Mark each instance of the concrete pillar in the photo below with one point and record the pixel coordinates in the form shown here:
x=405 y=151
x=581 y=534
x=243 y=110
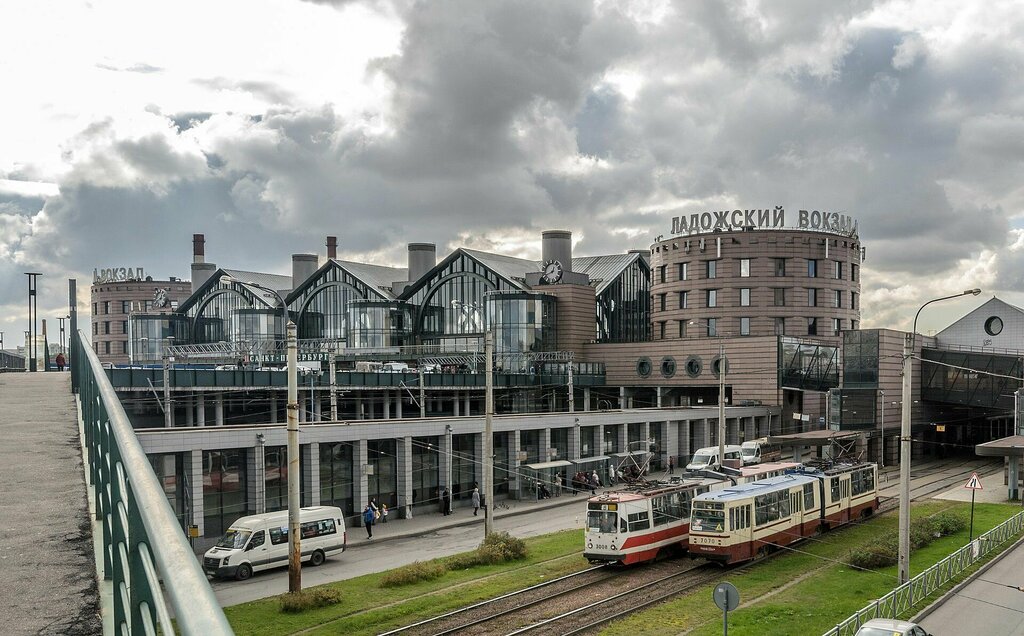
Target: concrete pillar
x=750 y=429
x=685 y=448
x=256 y=479
x=545 y=444
x=309 y=460
x=622 y=397
x=317 y=412
x=444 y=459
x=1014 y=477
x=513 y=464
x=586 y=398
x=218 y=410
x=190 y=415
x=201 y=410
x=398 y=405
x=455 y=405
x=360 y=484
x=574 y=442
x=623 y=437
x=404 y=475
x=273 y=407
x=599 y=439
x=466 y=405
x=670 y=443
x=387 y=405
x=705 y=433
x=645 y=431
x=478 y=455
x=658 y=396
x=193 y=468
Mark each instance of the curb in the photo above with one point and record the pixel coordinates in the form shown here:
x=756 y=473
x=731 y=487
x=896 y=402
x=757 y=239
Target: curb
x=457 y=524
x=961 y=585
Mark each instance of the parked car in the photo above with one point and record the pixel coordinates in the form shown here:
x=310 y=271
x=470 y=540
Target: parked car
x=890 y=627
x=707 y=458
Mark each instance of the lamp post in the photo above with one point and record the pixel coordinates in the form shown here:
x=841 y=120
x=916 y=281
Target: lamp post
x=908 y=352
x=294 y=548
x=721 y=388
x=882 y=426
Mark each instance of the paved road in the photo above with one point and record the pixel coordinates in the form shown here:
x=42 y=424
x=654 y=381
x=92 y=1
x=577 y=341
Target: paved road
x=986 y=605
x=365 y=557
x=47 y=573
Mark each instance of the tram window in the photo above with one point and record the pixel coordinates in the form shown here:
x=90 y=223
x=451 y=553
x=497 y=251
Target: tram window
x=622 y=526
x=662 y=507
x=771 y=507
x=601 y=521
x=834 y=483
x=639 y=521
x=739 y=517
x=862 y=481
x=808 y=496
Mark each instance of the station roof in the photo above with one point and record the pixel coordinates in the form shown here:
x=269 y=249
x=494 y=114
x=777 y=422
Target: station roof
x=812 y=438
x=1012 y=446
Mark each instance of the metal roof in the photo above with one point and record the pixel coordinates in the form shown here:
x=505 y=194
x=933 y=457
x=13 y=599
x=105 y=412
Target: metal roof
x=1006 y=447
x=812 y=438
x=755 y=488
x=277 y=282
x=377 y=277
x=509 y=267
x=603 y=270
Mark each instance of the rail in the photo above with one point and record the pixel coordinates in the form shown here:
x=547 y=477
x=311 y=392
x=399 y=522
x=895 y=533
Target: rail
x=903 y=598
x=145 y=554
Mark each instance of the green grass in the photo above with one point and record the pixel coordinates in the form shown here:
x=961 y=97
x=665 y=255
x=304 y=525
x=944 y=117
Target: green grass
x=827 y=593
x=367 y=608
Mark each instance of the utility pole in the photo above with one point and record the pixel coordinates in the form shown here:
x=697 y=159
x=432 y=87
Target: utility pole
x=882 y=425
x=33 y=314
x=423 y=401
x=572 y=397
x=332 y=369
x=60 y=319
x=489 y=434
x=168 y=413
x=721 y=401
x=294 y=549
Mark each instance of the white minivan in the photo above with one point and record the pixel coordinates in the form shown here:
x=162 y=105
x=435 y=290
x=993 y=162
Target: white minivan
x=756 y=451
x=707 y=458
x=260 y=542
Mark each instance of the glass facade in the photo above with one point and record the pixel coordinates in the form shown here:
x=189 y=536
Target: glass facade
x=149 y=335
x=383 y=482
x=224 y=490
x=212 y=316
x=529 y=443
x=321 y=307
x=377 y=323
x=275 y=466
x=169 y=470
x=624 y=306
x=336 y=476
x=501 y=463
x=860 y=359
x=426 y=466
x=521 y=321
x=805 y=365
x=258 y=324
x=463 y=466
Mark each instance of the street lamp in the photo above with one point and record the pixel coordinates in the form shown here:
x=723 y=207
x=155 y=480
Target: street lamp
x=721 y=389
x=908 y=352
x=294 y=553
x=882 y=425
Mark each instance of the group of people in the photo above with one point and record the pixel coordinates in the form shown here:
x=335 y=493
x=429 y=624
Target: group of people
x=582 y=481
x=446 y=501
x=373 y=513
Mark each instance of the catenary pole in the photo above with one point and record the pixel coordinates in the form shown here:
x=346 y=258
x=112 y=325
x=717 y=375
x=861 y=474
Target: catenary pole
x=294 y=547
x=489 y=434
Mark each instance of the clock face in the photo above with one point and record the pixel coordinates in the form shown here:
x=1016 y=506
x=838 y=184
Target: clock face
x=552 y=271
x=160 y=298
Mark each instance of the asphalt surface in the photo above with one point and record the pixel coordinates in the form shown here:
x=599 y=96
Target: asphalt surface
x=47 y=572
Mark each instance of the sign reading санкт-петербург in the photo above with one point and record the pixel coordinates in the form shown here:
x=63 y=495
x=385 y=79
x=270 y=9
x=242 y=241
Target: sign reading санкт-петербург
x=756 y=219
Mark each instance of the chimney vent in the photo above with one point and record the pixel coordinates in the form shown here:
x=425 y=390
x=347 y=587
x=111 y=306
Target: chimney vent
x=303 y=266
x=332 y=247
x=198 y=248
x=422 y=258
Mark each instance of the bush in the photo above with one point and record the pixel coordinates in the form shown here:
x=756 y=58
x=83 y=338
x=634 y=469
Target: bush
x=464 y=561
x=876 y=555
x=314 y=598
x=947 y=523
x=498 y=547
x=884 y=551
x=413 y=573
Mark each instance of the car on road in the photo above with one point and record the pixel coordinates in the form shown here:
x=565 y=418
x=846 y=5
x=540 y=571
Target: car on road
x=890 y=627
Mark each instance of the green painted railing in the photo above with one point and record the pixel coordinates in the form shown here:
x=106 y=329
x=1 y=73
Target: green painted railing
x=145 y=555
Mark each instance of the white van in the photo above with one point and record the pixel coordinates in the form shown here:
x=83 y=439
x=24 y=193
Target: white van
x=756 y=451
x=395 y=367
x=260 y=542
x=707 y=458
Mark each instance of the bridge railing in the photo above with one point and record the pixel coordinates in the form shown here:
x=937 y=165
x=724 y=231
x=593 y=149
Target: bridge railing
x=901 y=600
x=145 y=554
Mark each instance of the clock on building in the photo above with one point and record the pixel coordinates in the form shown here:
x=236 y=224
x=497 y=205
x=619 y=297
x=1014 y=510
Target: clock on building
x=160 y=298
x=552 y=272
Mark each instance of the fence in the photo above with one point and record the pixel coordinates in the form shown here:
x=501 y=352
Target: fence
x=902 y=599
x=143 y=545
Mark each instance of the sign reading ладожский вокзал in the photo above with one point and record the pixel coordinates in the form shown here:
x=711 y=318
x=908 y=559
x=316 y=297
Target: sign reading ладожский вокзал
x=763 y=218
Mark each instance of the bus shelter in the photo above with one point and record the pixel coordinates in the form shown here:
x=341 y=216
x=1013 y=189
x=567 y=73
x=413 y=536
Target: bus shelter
x=829 y=444
x=535 y=475
x=588 y=465
x=1011 y=448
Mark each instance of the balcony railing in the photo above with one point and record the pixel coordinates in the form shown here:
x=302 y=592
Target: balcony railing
x=145 y=555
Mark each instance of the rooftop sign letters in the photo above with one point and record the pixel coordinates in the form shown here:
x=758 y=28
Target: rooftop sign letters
x=117 y=274
x=759 y=219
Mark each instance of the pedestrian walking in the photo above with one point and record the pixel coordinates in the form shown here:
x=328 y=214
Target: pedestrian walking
x=446 y=503
x=384 y=512
x=61 y=361
x=611 y=474
x=671 y=465
x=476 y=501
x=595 y=483
x=558 y=485
x=368 y=518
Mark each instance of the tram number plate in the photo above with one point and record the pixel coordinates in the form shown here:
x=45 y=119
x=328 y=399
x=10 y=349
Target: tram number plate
x=705 y=540
x=600 y=546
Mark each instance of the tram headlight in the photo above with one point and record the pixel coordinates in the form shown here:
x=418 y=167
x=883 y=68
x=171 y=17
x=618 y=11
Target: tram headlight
x=590 y=546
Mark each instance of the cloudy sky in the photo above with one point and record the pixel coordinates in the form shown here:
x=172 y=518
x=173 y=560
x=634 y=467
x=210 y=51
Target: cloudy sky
x=128 y=125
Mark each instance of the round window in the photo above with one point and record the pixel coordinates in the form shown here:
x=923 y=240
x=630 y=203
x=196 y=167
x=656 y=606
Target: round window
x=643 y=367
x=716 y=366
x=668 y=366
x=693 y=366
x=994 y=325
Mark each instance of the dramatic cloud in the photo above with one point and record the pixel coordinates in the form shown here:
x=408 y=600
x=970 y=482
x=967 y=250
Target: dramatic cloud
x=481 y=123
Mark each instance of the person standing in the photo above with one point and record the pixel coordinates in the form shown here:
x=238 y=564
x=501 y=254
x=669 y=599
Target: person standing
x=368 y=517
x=446 y=502
x=595 y=483
x=476 y=501
x=61 y=361
x=671 y=465
x=384 y=512
x=611 y=474
x=558 y=485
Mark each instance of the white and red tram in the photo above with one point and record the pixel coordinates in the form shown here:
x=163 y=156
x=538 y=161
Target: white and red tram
x=638 y=522
x=741 y=522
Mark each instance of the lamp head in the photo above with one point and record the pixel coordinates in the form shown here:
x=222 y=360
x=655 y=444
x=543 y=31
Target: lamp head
x=972 y=292
x=227 y=280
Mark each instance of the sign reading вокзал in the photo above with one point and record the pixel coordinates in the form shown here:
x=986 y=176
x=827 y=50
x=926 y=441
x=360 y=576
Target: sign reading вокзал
x=733 y=220
x=117 y=274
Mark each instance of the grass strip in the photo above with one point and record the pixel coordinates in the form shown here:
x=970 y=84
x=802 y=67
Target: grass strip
x=367 y=608
x=816 y=601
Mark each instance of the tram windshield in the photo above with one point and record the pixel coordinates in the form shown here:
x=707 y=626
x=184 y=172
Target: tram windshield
x=706 y=519
x=602 y=521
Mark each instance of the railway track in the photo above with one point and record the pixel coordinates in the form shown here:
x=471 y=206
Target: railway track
x=580 y=602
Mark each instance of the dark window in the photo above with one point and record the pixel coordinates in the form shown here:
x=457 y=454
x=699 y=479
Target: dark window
x=812 y=297
x=106 y=306
x=683 y=299
x=780 y=266
x=662 y=273
x=711 y=269
x=683 y=271
x=712 y=298
x=744 y=326
x=662 y=302
x=124 y=326
x=258 y=539
x=838 y=301
x=712 y=327
x=661 y=330
x=839 y=270
x=224 y=490
x=780 y=326
x=853 y=300
x=126 y=306
x=106 y=327
x=639 y=521
x=124 y=347
x=812 y=268
x=812 y=326
x=95 y=328
x=853 y=272
x=106 y=347
x=682 y=328
x=94 y=312
x=808 y=496
x=336 y=475
x=780 y=296
x=745 y=297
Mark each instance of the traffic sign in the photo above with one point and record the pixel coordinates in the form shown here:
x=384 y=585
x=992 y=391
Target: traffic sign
x=726 y=596
x=974 y=483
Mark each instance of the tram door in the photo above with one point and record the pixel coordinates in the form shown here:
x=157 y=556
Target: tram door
x=844 y=497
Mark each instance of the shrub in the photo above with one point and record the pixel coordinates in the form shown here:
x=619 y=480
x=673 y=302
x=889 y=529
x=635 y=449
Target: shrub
x=413 y=573
x=463 y=561
x=501 y=546
x=315 y=598
x=884 y=551
x=876 y=555
x=947 y=523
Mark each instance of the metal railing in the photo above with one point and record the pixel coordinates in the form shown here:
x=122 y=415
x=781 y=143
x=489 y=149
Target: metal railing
x=143 y=546
x=901 y=600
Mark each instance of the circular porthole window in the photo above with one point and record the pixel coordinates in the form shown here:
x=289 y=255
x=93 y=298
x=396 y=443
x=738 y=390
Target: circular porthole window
x=716 y=366
x=668 y=366
x=693 y=366
x=994 y=325
x=643 y=367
